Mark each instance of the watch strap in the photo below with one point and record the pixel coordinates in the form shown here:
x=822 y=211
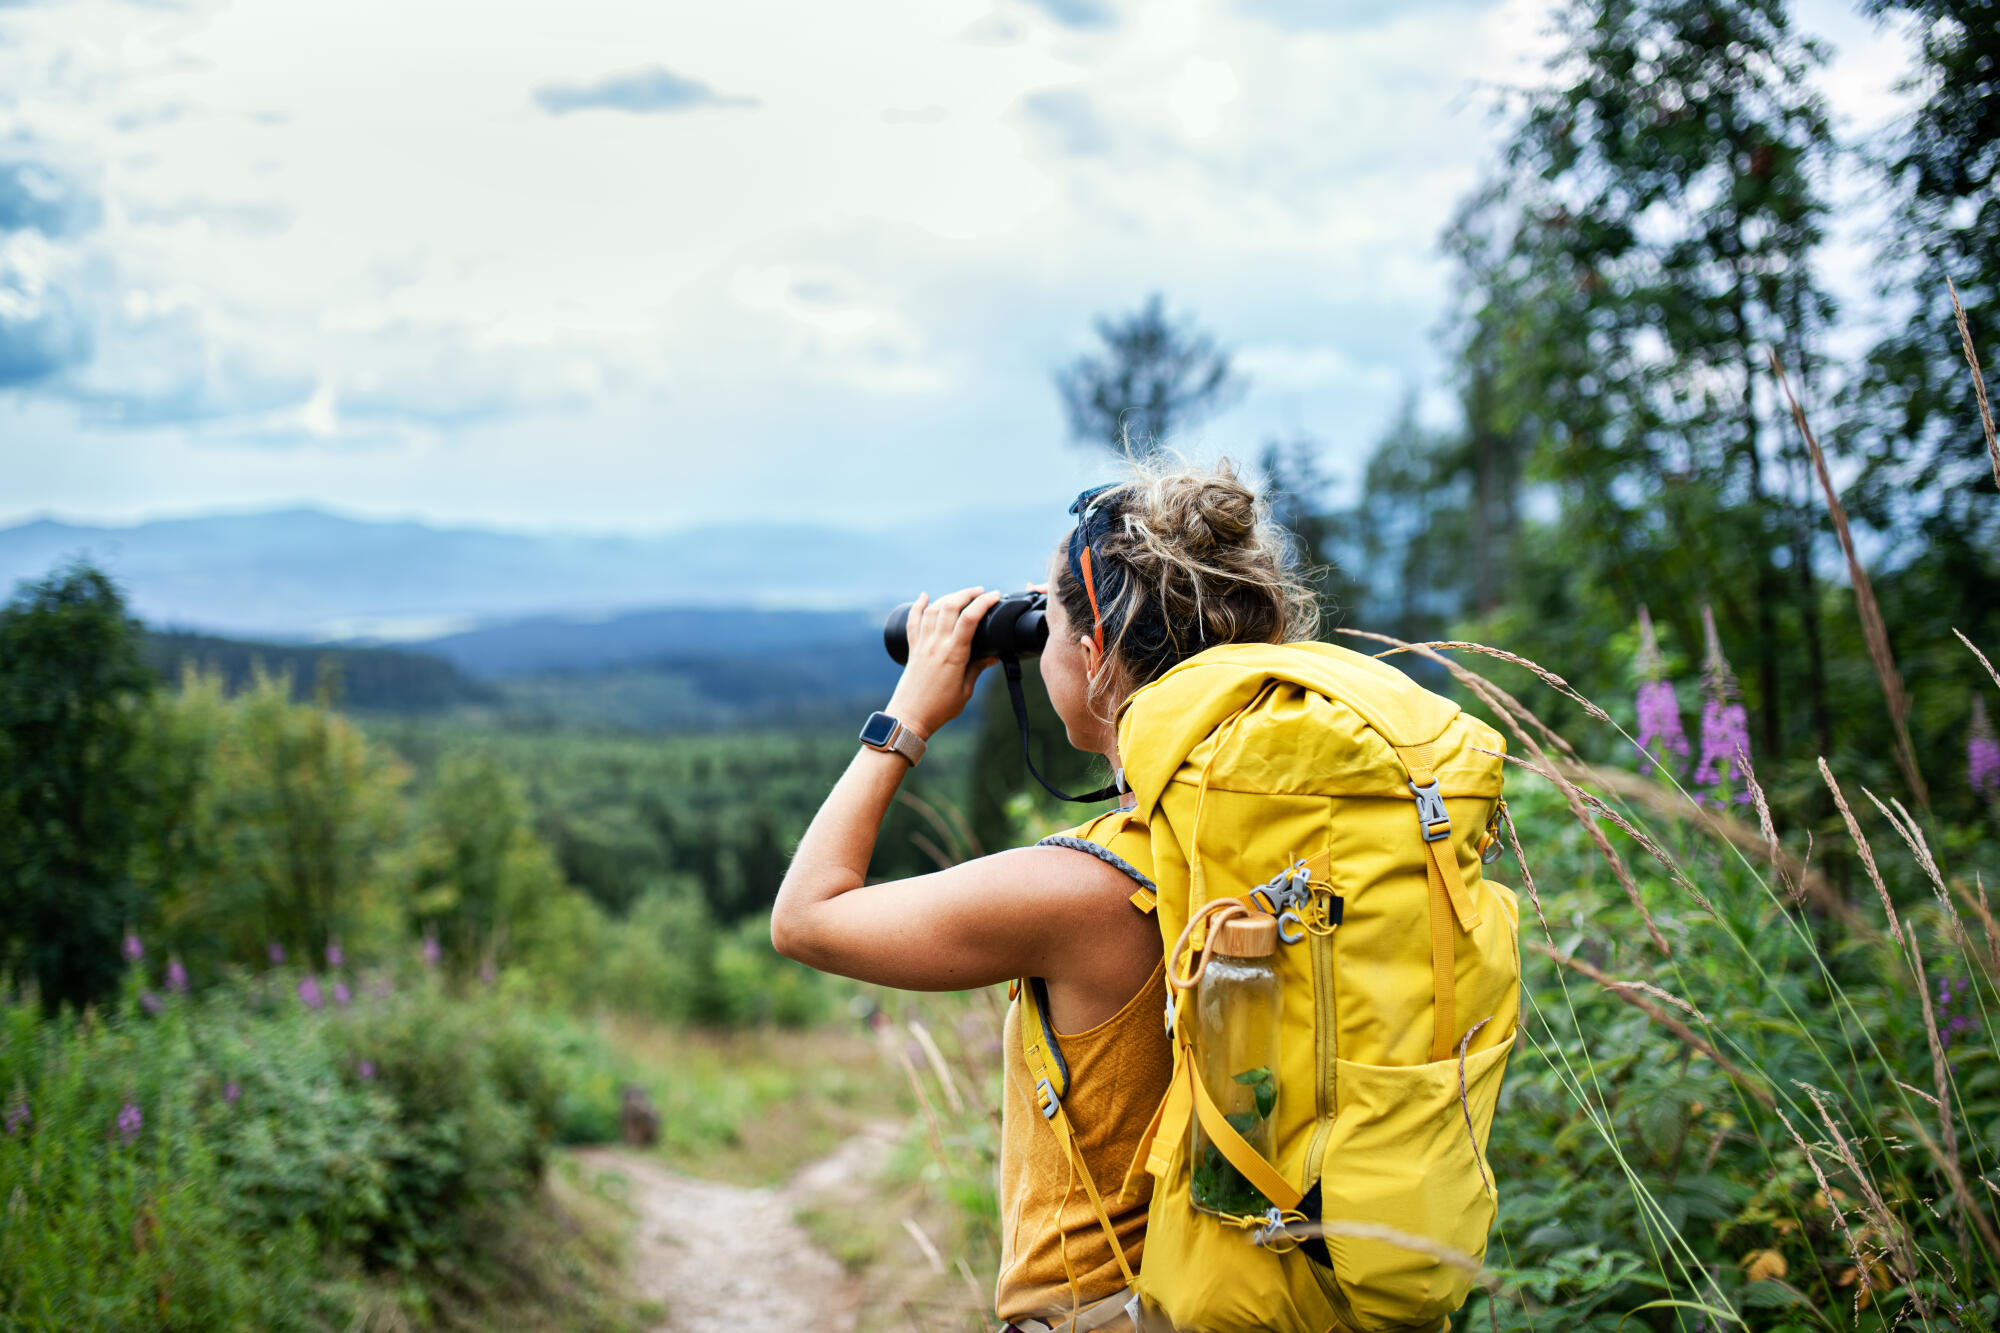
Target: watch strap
x=902 y=740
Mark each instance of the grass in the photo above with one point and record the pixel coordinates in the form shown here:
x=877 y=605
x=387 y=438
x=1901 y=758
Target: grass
x=752 y=1106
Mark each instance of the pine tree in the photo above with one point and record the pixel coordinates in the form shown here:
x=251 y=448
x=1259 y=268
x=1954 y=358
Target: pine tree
x=1653 y=235
x=1915 y=417
x=71 y=690
x=1152 y=376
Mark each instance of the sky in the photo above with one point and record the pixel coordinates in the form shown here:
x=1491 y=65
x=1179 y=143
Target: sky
x=637 y=265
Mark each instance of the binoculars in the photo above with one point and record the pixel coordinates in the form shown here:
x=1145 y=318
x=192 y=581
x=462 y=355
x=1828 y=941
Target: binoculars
x=1017 y=626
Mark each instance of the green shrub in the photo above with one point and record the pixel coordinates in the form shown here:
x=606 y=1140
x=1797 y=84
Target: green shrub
x=246 y=1160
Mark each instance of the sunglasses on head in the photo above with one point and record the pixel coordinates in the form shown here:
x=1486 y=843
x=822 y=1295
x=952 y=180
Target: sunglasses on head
x=1087 y=508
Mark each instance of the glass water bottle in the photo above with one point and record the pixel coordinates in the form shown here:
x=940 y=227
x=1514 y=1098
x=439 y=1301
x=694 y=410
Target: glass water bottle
x=1236 y=1055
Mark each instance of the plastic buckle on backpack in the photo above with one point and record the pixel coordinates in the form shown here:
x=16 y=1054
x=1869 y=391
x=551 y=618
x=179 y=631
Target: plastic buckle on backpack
x=1274 y=1231
x=1433 y=820
x=1288 y=890
x=1045 y=1093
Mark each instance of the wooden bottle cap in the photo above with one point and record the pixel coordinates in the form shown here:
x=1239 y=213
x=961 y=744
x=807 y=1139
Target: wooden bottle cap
x=1247 y=936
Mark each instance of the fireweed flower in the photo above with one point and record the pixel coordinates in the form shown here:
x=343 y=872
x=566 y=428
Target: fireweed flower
x=276 y=953
x=334 y=956
x=1954 y=1009
x=341 y=995
x=432 y=952
x=1982 y=752
x=133 y=950
x=151 y=1002
x=1725 y=726
x=1660 y=734
x=365 y=1070
x=310 y=994
x=177 y=976
x=130 y=1121
x=19 y=1118
x=232 y=1092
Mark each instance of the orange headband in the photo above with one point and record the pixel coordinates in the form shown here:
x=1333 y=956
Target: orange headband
x=1096 y=618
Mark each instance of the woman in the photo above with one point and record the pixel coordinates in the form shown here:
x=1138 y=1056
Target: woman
x=1171 y=561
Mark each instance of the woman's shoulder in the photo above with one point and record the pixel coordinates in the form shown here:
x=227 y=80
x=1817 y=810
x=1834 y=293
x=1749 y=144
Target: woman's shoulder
x=1117 y=839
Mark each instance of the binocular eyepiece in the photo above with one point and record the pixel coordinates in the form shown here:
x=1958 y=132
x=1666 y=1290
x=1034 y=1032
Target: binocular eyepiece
x=1016 y=627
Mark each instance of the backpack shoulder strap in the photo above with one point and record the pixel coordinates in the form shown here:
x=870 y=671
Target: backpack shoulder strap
x=1051 y=1075
x=1039 y=1044
x=1146 y=896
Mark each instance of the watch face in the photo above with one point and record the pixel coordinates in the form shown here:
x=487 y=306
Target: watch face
x=880 y=727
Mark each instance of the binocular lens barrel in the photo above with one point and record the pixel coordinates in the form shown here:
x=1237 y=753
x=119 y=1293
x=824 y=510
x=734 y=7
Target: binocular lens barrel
x=1017 y=626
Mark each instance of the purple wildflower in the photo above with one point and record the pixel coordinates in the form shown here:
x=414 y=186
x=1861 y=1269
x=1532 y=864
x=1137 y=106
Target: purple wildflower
x=151 y=1002
x=341 y=995
x=276 y=953
x=309 y=992
x=177 y=976
x=365 y=1070
x=1982 y=752
x=432 y=951
x=335 y=957
x=1660 y=734
x=19 y=1118
x=133 y=950
x=232 y=1092
x=1954 y=1009
x=130 y=1121
x=1725 y=726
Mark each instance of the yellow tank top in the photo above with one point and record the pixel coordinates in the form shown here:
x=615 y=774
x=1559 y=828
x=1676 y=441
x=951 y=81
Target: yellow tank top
x=1118 y=1072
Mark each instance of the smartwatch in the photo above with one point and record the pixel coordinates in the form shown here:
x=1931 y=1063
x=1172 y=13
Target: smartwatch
x=882 y=732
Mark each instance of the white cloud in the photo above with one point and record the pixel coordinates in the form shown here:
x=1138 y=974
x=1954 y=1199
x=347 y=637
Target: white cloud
x=1292 y=369
x=347 y=228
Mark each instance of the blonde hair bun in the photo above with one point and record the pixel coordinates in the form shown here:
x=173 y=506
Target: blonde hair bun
x=1186 y=557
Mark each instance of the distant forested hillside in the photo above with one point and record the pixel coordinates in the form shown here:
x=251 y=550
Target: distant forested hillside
x=383 y=680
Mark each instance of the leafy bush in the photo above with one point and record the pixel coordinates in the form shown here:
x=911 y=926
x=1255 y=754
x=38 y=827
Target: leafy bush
x=251 y=1157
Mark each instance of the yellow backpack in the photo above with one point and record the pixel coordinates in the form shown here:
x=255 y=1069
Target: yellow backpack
x=1329 y=790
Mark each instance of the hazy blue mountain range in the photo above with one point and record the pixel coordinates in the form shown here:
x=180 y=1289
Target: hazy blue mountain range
x=545 y=645
x=308 y=575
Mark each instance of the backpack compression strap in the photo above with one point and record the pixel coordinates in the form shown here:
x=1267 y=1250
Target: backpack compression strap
x=1449 y=898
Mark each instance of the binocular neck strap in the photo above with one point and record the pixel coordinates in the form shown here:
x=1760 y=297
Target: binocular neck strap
x=1011 y=665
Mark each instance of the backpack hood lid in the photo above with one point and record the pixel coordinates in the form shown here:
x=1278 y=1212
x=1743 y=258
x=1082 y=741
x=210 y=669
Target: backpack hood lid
x=1184 y=706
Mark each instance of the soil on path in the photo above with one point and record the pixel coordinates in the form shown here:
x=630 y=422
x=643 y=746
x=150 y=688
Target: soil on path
x=722 y=1257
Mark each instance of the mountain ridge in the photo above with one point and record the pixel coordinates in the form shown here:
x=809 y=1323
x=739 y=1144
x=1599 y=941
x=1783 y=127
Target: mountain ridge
x=306 y=574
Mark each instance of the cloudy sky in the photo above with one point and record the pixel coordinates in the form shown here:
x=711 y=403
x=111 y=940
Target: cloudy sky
x=627 y=265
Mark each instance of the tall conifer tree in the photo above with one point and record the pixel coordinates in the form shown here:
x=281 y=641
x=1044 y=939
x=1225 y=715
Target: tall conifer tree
x=1653 y=235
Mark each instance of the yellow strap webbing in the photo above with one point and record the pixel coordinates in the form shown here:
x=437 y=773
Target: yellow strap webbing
x=1444 y=970
x=1170 y=1121
x=1449 y=900
x=1442 y=852
x=1235 y=1149
x=1044 y=1070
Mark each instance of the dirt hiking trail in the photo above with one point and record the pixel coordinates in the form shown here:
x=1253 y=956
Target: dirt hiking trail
x=723 y=1258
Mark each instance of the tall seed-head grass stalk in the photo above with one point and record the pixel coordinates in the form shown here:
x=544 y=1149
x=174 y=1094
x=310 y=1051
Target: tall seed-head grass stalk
x=1978 y=379
x=1874 y=632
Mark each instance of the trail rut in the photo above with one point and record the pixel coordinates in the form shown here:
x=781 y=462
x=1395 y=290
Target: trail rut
x=723 y=1257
